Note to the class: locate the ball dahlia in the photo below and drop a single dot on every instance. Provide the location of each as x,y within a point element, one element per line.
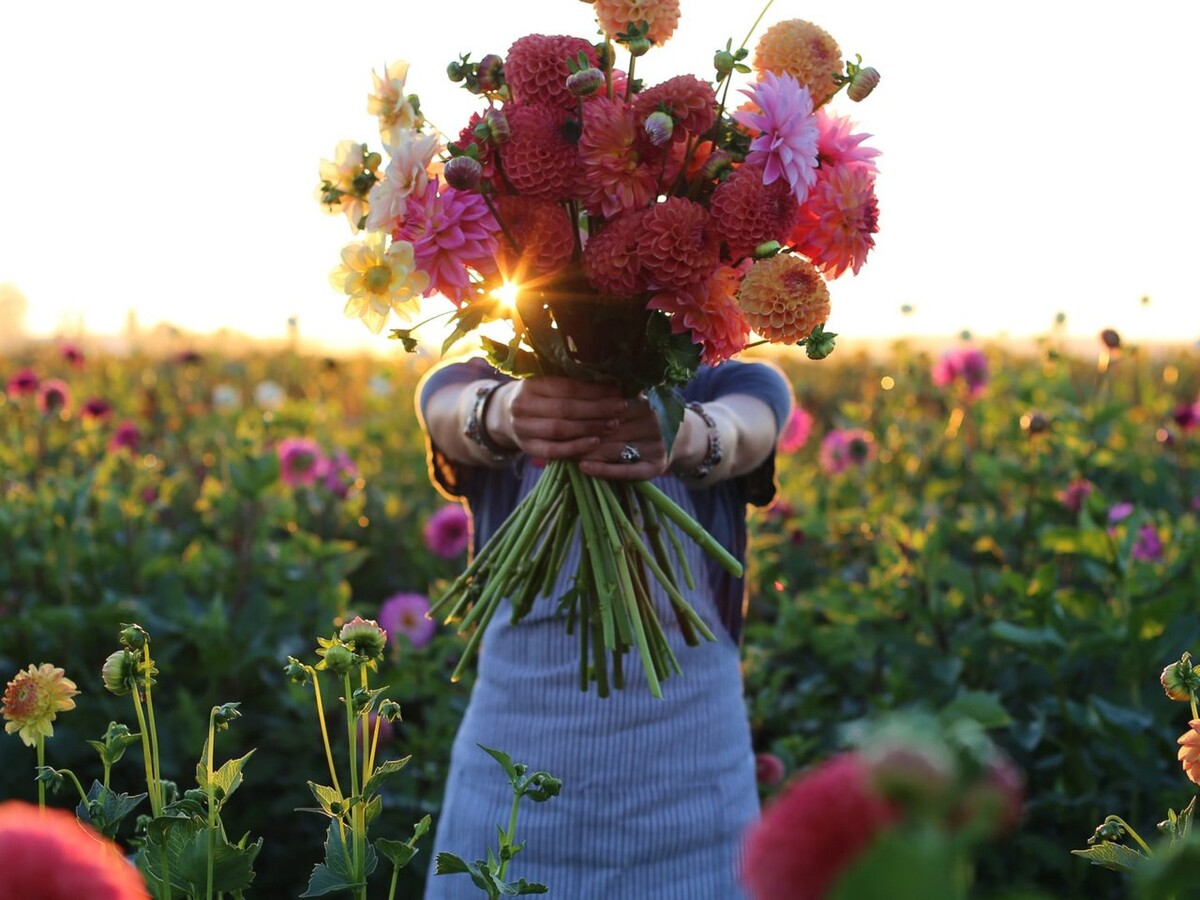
<point>610,258</point>
<point>679,248</point>
<point>690,102</point>
<point>709,311</point>
<point>538,158</point>
<point>542,231</point>
<point>662,16</point>
<point>784,298</point>
<point>745,212</point>
<point>837,224</point>
<point>804,51</point>
<point>536,68</point>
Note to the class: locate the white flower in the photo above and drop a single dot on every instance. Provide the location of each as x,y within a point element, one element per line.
<point>406,174</point>
<point>390,104</point>
<point>269,395</point>
<point>226,398</point>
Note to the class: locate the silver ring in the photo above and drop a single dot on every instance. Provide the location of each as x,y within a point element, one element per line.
<point>630,454</point>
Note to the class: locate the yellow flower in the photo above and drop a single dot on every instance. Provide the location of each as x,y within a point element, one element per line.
<point>784,298</point>
<point>33,699</point>
<point>378,279</point>
<point>803,50</point>
<point>390,104</point>
<point>1189,752</point>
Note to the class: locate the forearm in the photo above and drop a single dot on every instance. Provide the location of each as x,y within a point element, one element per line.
<point>744,429</point>
<point>456,412</point>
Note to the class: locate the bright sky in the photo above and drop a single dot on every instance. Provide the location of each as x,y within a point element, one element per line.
<point>163,157</point>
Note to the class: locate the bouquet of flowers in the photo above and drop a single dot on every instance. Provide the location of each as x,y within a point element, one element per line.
<point>628,233</point>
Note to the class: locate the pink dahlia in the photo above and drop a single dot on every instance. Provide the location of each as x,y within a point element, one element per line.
<point>338,473</point>
<point>1075,493</point>
<point>23,384</point>
<point>73,355</point>
<point>787,135</point>
<point>614,174</point>
<point>795,433</point>
<point>536,68</point>
<point>50,855</point>
<point>539,159</point>
<point>301,462</point>
<point>746,212</point>
<point>54,397</point>
<point>542,231</point>
<point>813,831</point>
<point>1148,547</point>
<point>125,437</point>
<point>839,220</point>
<point>689,101</point>
<point>967,365</point>
<point>837,146</point>
<point>451,232</point>
<point>97,409</point>
<point>448,531</point>
<point>1119,512</point>
<point>404,614</point>
<point>846,447</point>
<point>679,248</point>
<point>610,258</point>
<point>769,769</point>
<point>709,311</point>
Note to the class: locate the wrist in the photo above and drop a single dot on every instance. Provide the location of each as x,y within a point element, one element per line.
<point>481,418</point>
<point>699,449</point>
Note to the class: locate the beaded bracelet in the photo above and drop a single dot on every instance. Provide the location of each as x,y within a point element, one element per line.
<point>714,454</point>
<point>476,427</point>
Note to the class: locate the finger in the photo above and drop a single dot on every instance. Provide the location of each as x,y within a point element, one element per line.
<point>572,449</point>
<point>559,429</point>
<point>531,405</point>
<point>639,471</point>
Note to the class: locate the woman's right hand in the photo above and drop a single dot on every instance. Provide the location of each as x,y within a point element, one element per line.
<point>550,417</point>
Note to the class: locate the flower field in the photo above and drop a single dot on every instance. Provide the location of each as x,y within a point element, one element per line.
<point>1010,534</point>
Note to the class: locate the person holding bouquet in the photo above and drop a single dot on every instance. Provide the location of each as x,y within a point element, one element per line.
<point>657,792</point>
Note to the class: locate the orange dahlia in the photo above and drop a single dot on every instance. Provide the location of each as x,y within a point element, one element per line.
<point>784,298</point>
<point>1189,751</point>
<point>538,159</point>
<point>542,230</point>
<point>690,102</point>
<point>838,220</point>
<point>536,68</point>
<point>805,51</point>
<point>710,312</point>
<point>746,212</point>
<point>662,16</point>
<point>610,259</point>
<point>678,248</point>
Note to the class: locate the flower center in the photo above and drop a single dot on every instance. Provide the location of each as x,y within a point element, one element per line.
<point>378,278</point>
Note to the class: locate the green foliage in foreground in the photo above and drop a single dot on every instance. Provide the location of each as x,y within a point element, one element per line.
<point>945,570</point>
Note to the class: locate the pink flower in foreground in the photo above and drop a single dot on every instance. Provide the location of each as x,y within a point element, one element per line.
<point>447,531</point>
<point>51,856</point>
<point>787,141</point>
<point>54,397</point>
<point>1075,493</point>
<point>23,384</point>
<point>405,614</point>
<point>451,231</point>
<point>1148,547</point>
<point>125,437</point>
<point>821,822</point>
<point>300,461</point>
<point>795,433</point>
<point>844,447</point>
<point>615,177</point>
<point>709,310</point>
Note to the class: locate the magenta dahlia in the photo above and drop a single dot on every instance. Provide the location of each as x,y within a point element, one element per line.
<point>838,146</point>
<point>452,232</point>
<point>786,129</point>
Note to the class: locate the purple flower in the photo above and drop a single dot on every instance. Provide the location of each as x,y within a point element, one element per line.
<point>1119,512</point>
<point>787,135</point>
<point>448,531</point>
<point>300,461</point>
<point>54,397</point>
<point>796,431</point>
<point>125,437</point>
<point>405,614</point>
<point>73,355</point>
<point>768,769</point>
<point>1187,416</point>
<point>338,473</point>
<point>24,383</point>
<point>967,364</point>
<point>844,447</point>
<point>1148,547</point>
<point>97,409</point>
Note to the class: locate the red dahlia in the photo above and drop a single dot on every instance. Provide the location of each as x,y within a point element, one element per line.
<point>746,212</point>
<point>678,247</point>
<point>690,101</point>
<point>610,259</point>
<point>536,68</point>
<point>541,229</point>
<point>538,159</point>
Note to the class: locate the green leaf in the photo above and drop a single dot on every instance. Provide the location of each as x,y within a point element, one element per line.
<point>1113,856</point>
<point>226,779</point>
<point>668,405</point>
<point>1028,638</point>
<point>334,874</point>
<point>983,707</point>
<point>185,843</point>
<point>105,809</point>
<point>449,864</point>
<point>329,798</point>
<point>404,336</point>
<point>1134,721</point>
<point>382,774</point>
<point>400,852</point>
<point>1075,542</point>
<point>911,863</point>
<point>504,759</point>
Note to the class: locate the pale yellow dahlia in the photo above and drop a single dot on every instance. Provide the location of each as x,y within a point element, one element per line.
<point>1189,752</point>
<point>346,180</point>
<point>33,699</point>
<point>661,15</point>
<point>803,50</point>
<point>390,104</point>
<point>784,298</point>
<point>377,279</point>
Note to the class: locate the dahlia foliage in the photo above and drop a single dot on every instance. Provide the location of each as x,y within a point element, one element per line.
<point>644,229</point>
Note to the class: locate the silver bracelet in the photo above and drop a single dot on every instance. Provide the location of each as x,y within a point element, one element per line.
<point>476,427</point>
<point>713,456</point>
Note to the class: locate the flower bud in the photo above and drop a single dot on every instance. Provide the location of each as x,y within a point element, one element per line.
<point>638,45</point>
<point>455,72</point>
<point>119,672</point>
<point>659,126</point>
<point>862,82</point>
<point>1109,831</point>
<point>463,173</point>
<point>1110,339</point>
<point>497,124</point>
<point>134,637</point>
<point>717,165</point>
<point>490,72</point>
<point>296,671</point>
<point>820,343</point>
<point>389,710</point>
<point>365,637</point>
<point>723,62</point>
<point>767,249</point>
<point>585,82</point>
<point>337,658</point>
<point>1179,680</point>
<point>225,713</point>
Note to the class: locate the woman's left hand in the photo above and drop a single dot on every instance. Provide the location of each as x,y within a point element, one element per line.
<point>633,451</point>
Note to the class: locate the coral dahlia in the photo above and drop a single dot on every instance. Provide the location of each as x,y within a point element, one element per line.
<point>837,223</point>
<point>746,212</point>
<point>679,248</point>
<point>662,16</point>
<point>709,311</point>
<point>539,160</point>
<point>804,51</point>
<point>784,298</point>
<point>813,831</point>
<point>787,136</point>
<point>615,177</point>
<point>542,231</point>
<point>536,68</point>
<point>610,258</point>
<point>32,700</point>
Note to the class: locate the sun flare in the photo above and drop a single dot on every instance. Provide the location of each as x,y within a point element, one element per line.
<point>507,294</point>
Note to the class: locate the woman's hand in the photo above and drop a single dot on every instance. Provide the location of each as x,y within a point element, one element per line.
<point>562,418</point>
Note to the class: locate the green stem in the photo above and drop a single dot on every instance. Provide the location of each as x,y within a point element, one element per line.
<point>212,798</point>
<point>149,664</point>
<point>75,781</point>
<point>357,810</point>
<point>509,836</point>
<point>151,787</point>
<point>325,731</point>
<point>1195,715</point>
<point>395,878</point>
<point>41,761</point>
<point>690,527</point>
<point>1132,832</point>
